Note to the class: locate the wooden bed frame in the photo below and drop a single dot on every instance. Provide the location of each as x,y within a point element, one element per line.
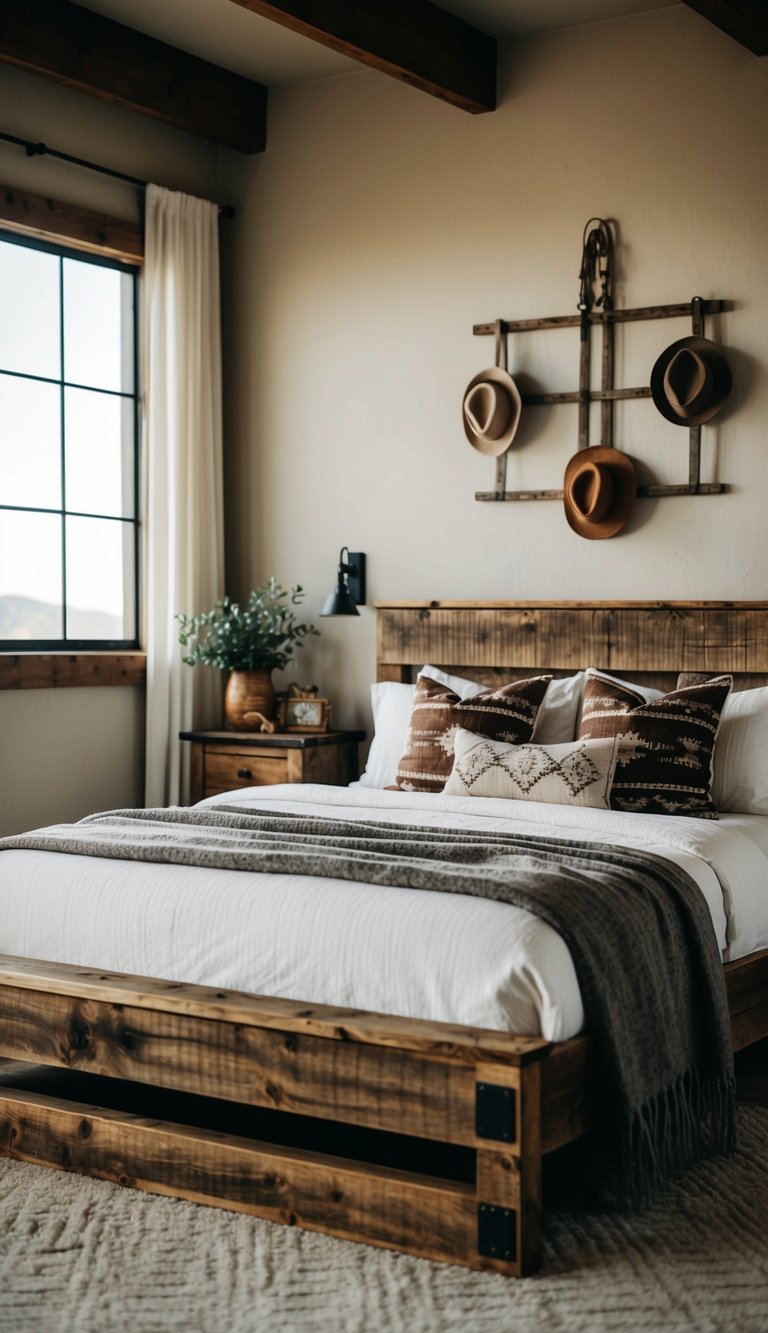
<point>419,1136</point>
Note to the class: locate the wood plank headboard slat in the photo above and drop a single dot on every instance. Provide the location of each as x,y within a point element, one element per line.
<point>658,637</point>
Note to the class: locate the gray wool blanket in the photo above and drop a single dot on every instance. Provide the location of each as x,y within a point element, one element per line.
<point>637,927</point>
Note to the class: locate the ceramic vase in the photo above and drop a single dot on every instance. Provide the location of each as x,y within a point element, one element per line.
<point>249,700</point>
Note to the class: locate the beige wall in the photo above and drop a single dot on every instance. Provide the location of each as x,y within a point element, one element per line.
<point>381,224</point>
<point>64,753</point>
<point>378,227</point>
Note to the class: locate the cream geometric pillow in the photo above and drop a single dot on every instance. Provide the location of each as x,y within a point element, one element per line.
<point>579,773</point>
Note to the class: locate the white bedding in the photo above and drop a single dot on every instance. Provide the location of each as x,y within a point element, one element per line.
<point>404,951</point>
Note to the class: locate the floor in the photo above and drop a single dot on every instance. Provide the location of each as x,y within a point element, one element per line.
<point>87,1256</point>
<point>84,1256</point>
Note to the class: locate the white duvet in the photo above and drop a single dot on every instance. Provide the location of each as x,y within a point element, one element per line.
<point>406,951</point>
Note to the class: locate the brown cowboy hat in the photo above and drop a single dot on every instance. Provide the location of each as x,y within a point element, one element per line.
<point>690,381</point>
<point>599,490</point>
<point>491,411</point>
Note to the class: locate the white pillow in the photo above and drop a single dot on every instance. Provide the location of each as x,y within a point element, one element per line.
<point>580,773</point>
<point>392,703</point>
<point>557,718</point>
<point>741,754</point>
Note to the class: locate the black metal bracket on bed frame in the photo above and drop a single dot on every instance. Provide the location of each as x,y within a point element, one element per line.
<point>495,1113</point>
<point>496,1231</point>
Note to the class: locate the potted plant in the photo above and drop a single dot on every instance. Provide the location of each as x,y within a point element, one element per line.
<point>249,642</point>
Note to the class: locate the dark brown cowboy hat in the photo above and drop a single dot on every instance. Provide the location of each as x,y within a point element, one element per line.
<point>690,381</point>
<point>491,411</point>
<point>599,491</point>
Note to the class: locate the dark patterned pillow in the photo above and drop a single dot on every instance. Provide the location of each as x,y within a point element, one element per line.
<point>505,714</point>
<point>687,678</point>
<point>664,765</point>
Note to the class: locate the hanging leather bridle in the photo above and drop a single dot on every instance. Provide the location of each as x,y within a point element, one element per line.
<point>596,261</point>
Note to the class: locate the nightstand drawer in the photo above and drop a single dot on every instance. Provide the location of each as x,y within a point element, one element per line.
<point>227,769</point>
<point>223,760</point>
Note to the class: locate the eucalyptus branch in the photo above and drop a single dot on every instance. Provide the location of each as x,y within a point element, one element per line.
<point>262,633</point>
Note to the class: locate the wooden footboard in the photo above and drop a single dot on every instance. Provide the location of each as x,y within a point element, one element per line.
<point>419,1136</point>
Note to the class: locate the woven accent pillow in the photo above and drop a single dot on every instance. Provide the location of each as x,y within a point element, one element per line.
<point>664,764</point>
<point>741,770</point>
<point>507,713</point>
<point>579,773</point>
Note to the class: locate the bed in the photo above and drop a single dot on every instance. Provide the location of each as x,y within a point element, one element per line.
<point>421,1129</point>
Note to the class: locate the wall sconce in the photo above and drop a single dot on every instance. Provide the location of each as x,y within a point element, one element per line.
<point>349,592</point>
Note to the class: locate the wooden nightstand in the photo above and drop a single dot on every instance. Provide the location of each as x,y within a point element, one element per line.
<point>223,760</point>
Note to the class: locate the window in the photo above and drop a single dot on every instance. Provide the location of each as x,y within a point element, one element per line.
<point>68,449</point>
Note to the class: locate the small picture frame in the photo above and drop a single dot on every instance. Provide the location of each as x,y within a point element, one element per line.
<point>308,715</point>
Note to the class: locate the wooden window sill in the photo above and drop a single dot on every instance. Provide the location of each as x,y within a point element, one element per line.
<point>44,671</point>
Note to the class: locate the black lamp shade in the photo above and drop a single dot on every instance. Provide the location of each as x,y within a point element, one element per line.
<point>340,603</point>
<point>345,599</point>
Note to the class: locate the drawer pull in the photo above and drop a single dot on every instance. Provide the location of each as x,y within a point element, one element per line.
<point>244,773</point>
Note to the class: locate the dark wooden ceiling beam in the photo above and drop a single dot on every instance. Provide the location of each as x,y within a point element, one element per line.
<point>93,54</point>
<point>744,20</point>
<point>413,40</point>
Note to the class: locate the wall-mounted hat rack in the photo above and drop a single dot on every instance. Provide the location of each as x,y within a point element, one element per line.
<point>606,319</point>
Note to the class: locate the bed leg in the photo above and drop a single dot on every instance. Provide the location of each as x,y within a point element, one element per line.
<point>508,1111</point>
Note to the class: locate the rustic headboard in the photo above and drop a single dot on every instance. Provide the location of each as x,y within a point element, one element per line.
<point>652,640</point>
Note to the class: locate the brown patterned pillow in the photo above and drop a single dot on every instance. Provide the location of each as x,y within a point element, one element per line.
<point>664,764</point>
<point>505,714</point>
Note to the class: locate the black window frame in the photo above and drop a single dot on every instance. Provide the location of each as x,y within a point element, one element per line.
<point>68,645</point>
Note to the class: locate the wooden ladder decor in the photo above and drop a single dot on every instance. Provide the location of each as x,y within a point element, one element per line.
<point>606,317</point>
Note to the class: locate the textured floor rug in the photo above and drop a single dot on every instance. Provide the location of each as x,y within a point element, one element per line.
<point>82,1256</point>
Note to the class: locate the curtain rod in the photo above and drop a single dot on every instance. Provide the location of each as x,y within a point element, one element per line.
<point>42,150</point>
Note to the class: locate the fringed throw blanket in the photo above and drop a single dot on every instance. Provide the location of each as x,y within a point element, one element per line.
<point>637,926</point>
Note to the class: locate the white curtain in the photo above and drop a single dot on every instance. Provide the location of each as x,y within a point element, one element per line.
<point>184,544</point>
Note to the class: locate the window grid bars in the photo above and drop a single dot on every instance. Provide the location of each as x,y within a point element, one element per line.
<point>65,643</point>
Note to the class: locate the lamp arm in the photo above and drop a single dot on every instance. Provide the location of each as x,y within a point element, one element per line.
<point>344,566</point>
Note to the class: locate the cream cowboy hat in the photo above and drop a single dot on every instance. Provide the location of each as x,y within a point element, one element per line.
<point>491,411</point>
<point>492,404</point>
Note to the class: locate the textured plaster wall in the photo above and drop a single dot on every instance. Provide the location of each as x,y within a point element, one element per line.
<point>381,224</point>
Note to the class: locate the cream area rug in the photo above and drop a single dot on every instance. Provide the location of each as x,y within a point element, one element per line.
<point>83,1256</point>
